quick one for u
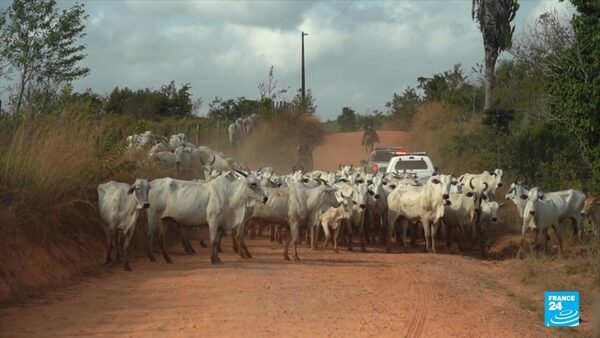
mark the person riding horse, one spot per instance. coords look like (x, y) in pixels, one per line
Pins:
(370, 137)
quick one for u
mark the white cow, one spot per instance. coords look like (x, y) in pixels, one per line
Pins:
(540, 215)
(493, 181)
(236, 132)
(569, 201)
(421, 203)
(177, 140)
(464, 211)
(220, 204)
(333, 218)
(294, 206)
(591, 209)
(118, 204)
(249, 123)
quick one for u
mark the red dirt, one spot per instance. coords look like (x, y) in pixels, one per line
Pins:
(325, 294)
(346, 148)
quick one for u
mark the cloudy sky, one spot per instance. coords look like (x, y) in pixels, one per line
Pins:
(358, 53)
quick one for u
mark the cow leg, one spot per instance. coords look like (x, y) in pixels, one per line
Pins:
(127, 240)
(288, 239)
(361, 234)
(214, 243)
(163, 243)
(272, 232)
(234, 242)
(427, 234)
(545, 240)
(108, 232)
(185, 242)
(482, 238)
(448, 235)
(220, 233)
(149, 244)
(350, 240)
(295, 242)
(391, 222)
(434, 228)
(119, 240)
(279, 235)
(558, 236)
(336, 237)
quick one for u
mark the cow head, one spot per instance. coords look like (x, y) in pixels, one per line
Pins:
(532, 197)
(442, 184)
(252, 187)
(140, 190)
(591, 204)
(497, 173)
(363, 192)
(347, 203)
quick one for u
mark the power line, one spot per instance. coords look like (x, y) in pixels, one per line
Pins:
(334, 20)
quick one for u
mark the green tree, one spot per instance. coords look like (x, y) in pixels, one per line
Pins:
(40, 44)
(404, 106)
(348, 119)
(307, 106)
(574, 85)
(493, 18)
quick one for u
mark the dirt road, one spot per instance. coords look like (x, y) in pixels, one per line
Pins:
(324, 295)
(346, 148)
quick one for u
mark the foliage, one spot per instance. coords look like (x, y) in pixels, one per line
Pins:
(348, 120)
(403, 106)
(307, 105)
(493, 18)
(40, 45)
(168, 101)
(498, 119)
(574, 85)
(269, 90)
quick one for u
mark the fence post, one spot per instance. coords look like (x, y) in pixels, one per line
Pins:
(197, 133)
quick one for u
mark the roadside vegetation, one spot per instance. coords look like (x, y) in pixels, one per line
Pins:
(57, 145)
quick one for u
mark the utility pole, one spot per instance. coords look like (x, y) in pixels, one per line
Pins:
(303, 76)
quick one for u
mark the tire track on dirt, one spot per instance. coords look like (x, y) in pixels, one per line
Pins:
(423, 290)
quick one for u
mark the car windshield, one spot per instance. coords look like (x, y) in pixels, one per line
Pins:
(410, 165)
(382, 156)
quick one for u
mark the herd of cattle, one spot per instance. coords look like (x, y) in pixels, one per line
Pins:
(179, 153)
(347, 201)
(240, 128)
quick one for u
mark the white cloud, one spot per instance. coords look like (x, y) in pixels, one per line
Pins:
(225, 48)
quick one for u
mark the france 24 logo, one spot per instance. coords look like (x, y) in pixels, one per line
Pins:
(561, 308)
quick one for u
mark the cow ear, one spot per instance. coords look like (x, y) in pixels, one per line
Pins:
(371, 192)
(393, 186)
(470, 194)
(541, 196)
(131, 190)
(523, 197)
(436, 181)
(484, 197)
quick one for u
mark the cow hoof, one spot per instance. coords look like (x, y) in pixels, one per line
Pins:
(351, 249)
(107, 264)
(286, 257)
(152, 258)
(168, 260)
(248, 254)
(296, 258)
(127, 267)
(363, 249)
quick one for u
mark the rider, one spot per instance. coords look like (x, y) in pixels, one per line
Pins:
(370, 130)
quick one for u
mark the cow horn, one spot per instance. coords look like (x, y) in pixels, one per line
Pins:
(471, 183)
(241, 173)
(316, 180)
(213, 160)
(342, 194)
(259, 169)
(486, 186)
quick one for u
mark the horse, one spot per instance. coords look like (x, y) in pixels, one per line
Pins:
(369, 139)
